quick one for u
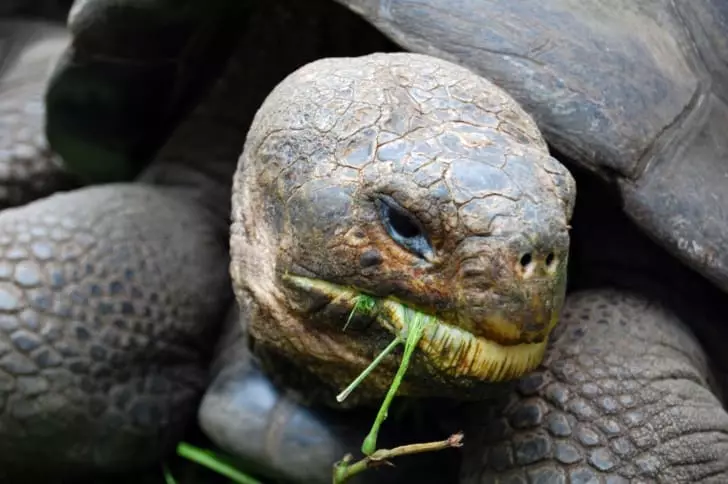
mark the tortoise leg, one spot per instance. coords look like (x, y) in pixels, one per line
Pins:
(28, 168)
(109, 298)
(625, 395)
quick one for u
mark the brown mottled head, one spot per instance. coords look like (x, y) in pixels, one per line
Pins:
(414, 181)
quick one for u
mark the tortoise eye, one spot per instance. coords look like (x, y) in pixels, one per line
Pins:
(404, 228)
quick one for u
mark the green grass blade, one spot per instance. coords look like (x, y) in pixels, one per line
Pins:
(352, 386)
(212, 462)
(415, 327)
(168, 477)
(364, 304)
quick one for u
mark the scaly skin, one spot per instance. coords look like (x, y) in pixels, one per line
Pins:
(634, 90)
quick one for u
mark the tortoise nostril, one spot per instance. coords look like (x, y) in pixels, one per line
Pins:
(550, 258)
(526, 259)
(534, 264)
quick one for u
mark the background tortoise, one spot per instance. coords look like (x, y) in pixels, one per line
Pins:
(626, 391)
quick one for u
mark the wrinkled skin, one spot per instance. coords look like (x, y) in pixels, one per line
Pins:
(109, 352)
(336, 149)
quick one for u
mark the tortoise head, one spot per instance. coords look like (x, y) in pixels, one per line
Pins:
(419, 184)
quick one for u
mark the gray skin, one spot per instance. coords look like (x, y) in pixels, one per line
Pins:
(625, 390)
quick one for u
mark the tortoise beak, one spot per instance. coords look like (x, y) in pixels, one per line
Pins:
(524, 315)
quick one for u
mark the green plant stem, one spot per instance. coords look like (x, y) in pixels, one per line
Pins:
(344, 470)
(168, 477)
(414, 333)
(352, 386)
(209, 460)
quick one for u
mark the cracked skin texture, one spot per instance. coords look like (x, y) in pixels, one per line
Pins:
(108, 366)
(340, 138)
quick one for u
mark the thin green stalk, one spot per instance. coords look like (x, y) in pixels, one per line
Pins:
(168, 477)
(357, 381)
(345, 470)
(415, 329)
(209, 460)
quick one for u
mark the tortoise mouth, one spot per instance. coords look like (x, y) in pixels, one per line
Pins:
(448, 349)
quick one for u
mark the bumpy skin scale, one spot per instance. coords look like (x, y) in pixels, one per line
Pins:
(104, 325)
(28, 168)
(625, 392)
(678, 437)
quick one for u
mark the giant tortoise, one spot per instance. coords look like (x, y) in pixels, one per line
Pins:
(420, 180)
